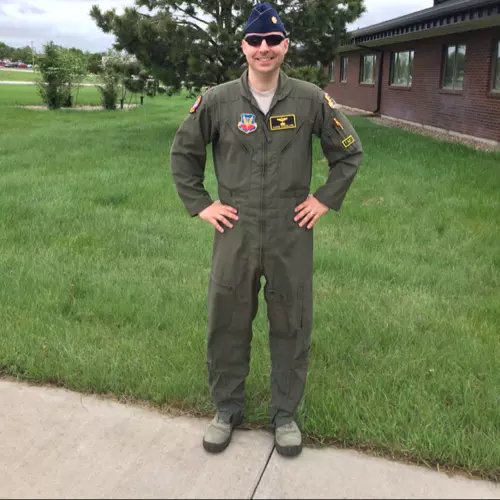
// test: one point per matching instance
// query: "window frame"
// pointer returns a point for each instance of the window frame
(495, 70)
(331, 71)
(343, 71)
(392, 83)
(453, 87)
(362, 69)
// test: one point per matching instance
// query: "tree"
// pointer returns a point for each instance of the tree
(5, 51)
(120, 73)
(94, 62)
(75, 62)
(60, 69)
(198, 41)
(23, 54)
(53, 87)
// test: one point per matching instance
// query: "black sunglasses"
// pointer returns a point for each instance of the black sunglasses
(271, 40)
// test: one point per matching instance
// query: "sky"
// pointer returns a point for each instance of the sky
(68, 23)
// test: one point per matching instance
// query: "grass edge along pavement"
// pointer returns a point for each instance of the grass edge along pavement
(310, 439)
(129, 132)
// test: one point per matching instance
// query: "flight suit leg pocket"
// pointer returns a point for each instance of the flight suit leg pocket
(230, 302)
(278, 313)
(221, 299)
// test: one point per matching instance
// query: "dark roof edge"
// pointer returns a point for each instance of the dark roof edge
(422, 15)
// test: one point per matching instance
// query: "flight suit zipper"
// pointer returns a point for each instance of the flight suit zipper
(261, 263)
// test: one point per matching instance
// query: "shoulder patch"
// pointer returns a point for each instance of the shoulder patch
(330, 101)
(348, 141)
(196, 104)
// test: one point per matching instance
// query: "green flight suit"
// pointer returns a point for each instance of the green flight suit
(263, 166)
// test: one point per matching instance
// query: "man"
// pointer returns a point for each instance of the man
(261, 128)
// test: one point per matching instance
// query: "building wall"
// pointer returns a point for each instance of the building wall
(475, 110)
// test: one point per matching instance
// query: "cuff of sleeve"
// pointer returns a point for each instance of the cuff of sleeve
(199, 206)
(322, 195)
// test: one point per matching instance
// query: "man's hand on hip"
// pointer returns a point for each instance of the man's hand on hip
(217, 212)
(309, 211)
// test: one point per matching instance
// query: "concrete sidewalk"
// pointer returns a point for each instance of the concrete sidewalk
(60, 444)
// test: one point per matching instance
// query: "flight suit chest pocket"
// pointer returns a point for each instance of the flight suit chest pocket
(233, 158)
(294, 155)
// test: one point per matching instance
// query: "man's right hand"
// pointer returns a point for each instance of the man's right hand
(217, 212)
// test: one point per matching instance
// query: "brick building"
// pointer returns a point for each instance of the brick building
(439, 67)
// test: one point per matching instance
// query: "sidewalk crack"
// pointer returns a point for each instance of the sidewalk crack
(263, 472)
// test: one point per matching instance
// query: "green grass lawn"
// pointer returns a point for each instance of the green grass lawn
(7, 75)
(24, 95)
(103, 281)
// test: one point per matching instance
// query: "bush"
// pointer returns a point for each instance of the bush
(109, 95)
(112, 77)
(311, 74)
(60, 70)
(53, 88)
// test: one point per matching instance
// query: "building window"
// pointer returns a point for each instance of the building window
(496, 68)
(343, 69)
(401, 68)
(332, 71)
(368, 69)
(454, 63)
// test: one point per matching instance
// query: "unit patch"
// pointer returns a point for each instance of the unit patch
(330, 101)
(247, 123)
(195, 105)
(282, 122)
(348, 141)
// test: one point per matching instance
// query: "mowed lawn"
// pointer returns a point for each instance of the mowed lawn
(103, 282)
(8, 75)
(25, 95)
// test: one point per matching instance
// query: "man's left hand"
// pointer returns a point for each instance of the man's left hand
(309, 211)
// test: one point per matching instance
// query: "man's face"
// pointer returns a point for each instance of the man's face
(263, 53)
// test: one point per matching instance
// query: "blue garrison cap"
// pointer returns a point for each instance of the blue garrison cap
(264, 19)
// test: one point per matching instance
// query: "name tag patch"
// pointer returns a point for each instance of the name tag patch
(282, 122)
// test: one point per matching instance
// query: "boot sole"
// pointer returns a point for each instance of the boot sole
(288, 451)
(216, 447)
(219, 447)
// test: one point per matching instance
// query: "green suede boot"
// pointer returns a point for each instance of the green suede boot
(218, 434)
(288, 440)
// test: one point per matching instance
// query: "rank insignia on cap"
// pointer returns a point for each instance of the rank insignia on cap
(282, 122)
(330, 101)
(247, 123)
(274, 20)
(195, 105)
(348, 141)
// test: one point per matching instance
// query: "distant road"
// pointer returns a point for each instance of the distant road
(21, 70)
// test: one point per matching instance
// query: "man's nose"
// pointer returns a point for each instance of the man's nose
(264, 46)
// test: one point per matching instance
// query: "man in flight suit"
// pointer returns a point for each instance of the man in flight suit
(260, 127)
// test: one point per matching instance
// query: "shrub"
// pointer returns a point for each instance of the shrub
(53, 88)
(312, 74)
(60, 70)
